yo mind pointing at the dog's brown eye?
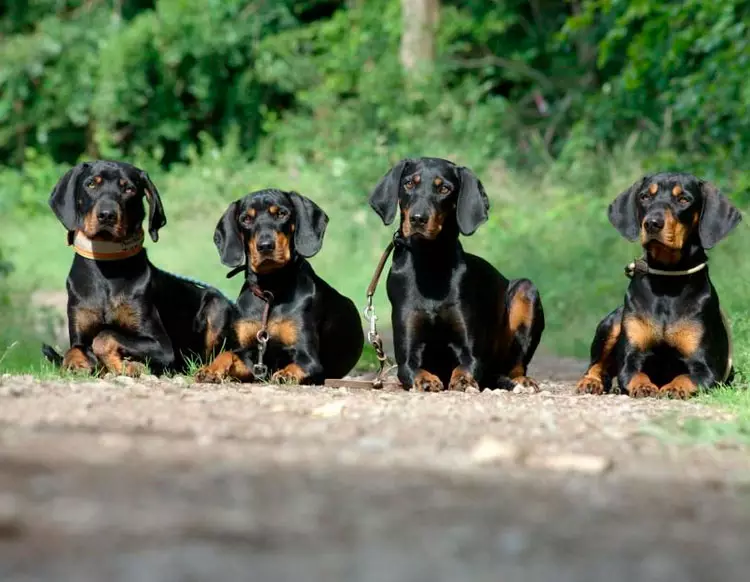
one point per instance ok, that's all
(409, 185)
(91, 185)
(129, 190)
(246, 219)
(282, 213)
(683, 200)
(645, 197)
(444, 190)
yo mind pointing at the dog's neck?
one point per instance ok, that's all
(691, 255)
(106, 250)
(444, 249)
(276, 281)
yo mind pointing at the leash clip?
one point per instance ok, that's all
(260, 370)
(372, 319)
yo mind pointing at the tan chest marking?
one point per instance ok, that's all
(87, 320)
(279, 329)
(684, 335)
(124, 314)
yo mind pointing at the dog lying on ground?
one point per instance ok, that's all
(124, 313)
(669, 338)
(314, 332)
(457, 322)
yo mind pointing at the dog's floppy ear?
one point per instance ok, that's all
(473, 205)
(63, 197)
(156, 216)
(718, 217)
(228, 239)
(384, 198)
(623, 211)
(310, 225)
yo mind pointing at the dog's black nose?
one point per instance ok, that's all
(418, 219)
(106, 216)
(654, 224)
(265, 244)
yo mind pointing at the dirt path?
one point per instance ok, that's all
(121, 480)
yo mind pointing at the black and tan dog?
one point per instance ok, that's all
(314, 332)
(123, 312)
(669, 337)
(457, 322)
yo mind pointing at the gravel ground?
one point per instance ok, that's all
(159, 480)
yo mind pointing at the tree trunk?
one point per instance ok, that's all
(420, 20)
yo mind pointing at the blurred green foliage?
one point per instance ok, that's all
(525, 81)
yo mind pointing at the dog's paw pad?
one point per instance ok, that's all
(524, 385)
(590, 385)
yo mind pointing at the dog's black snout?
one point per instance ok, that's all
(265, 244)
(106, 214)
(418, 218)
(654, 223)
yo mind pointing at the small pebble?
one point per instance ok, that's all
(489, 450)
(329, 410)
(579, 463)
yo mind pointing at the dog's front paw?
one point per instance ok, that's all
(76, 361)
(426, 382)
(681, 388)
(524, 384)
(461, 380)
(291, 374)
(641, 386)
(206, 375)
(133, 369)
(590, 385)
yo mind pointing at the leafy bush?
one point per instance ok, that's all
(521, 81)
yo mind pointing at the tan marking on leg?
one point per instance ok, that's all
(108, 350)
(685, 336)
(519, 378)
(641, 386)
(461, 379)
(424, 381)
(681, 388)
(290, 374)
(225, 365)
(76, 361)
(593, 380)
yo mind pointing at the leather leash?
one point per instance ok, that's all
(641, 267)
(372, 335)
